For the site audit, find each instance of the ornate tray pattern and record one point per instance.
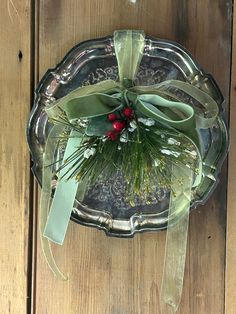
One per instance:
(92, 61)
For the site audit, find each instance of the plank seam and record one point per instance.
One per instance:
(32, 247)
(228, 160)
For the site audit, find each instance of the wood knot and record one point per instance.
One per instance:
(20, 55)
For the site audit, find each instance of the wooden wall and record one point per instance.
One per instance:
(15, 98)
(108, 275)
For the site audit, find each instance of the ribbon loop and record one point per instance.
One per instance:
(129, 45)
(174, 114)
(211, 110)
(107, 87)
(91, 106)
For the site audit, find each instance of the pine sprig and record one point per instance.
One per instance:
(145, 158)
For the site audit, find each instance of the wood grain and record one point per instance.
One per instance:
(15, 93)
(117, 276)
(230, 278)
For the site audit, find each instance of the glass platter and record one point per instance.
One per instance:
(93, 61)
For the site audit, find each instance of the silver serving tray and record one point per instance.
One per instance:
(104, 206)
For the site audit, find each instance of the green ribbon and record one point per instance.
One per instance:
(64, 197)
(46, 192)
(176, 240)
(157, 102)
(129, 47)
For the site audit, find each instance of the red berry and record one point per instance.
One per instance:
(111, 135)
(112, 117)
(128, 112)
(118, 125)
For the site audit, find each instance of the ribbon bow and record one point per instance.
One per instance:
(157, 102)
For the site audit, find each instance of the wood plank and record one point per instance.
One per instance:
(15, 97)
(230, 277)
(207, 224)
(109, 275)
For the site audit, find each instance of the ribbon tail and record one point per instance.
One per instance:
(46, 198)
(176, 240)
(63, 200)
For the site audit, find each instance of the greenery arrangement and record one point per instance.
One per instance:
(141, 148)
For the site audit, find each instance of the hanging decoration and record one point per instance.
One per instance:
(154, 144)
